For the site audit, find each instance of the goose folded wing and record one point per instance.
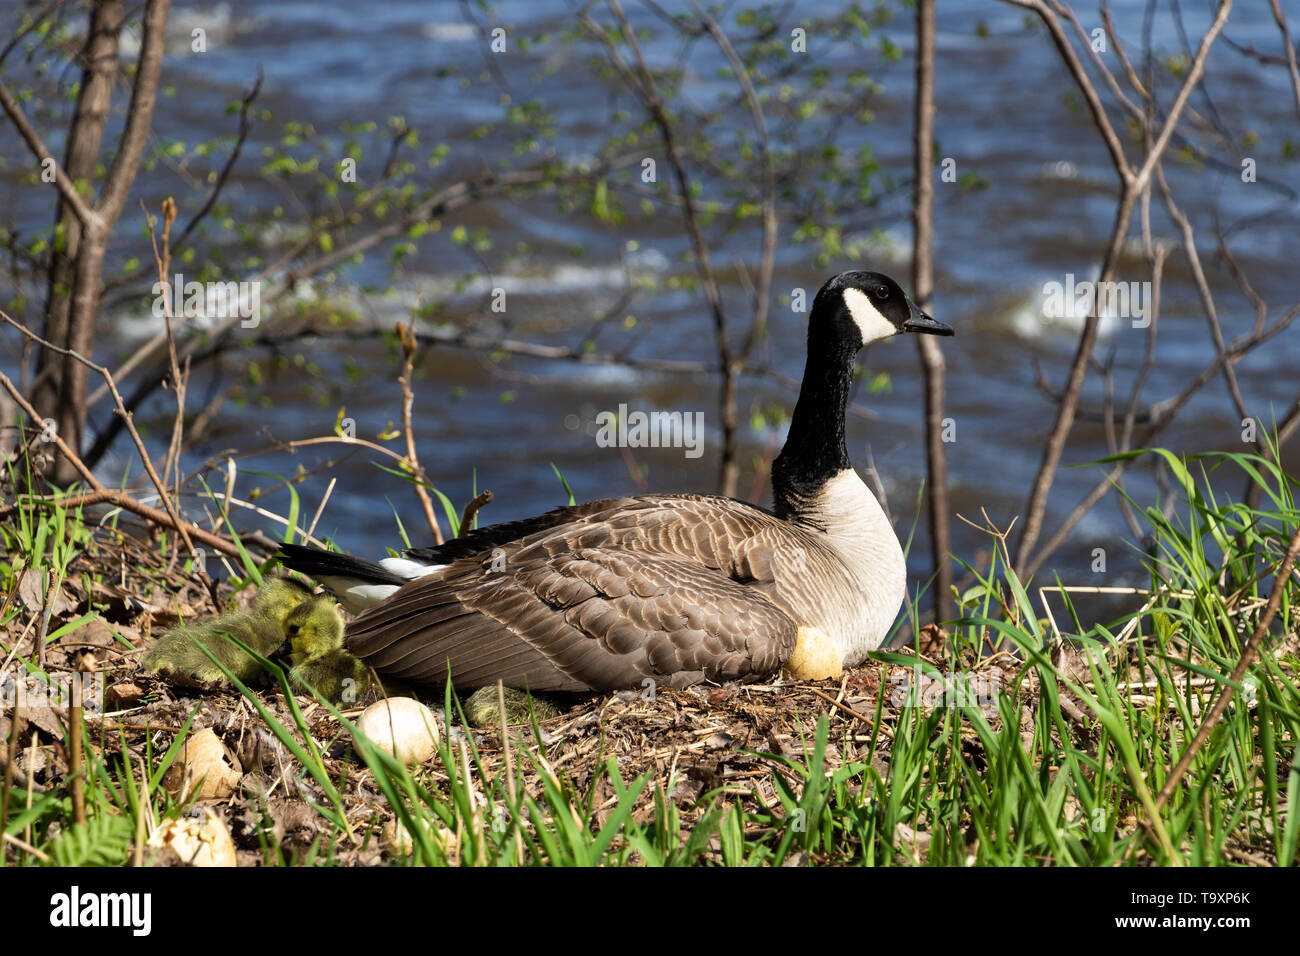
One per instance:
(474, 542)
(588, 619)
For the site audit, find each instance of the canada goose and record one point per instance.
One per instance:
(178, 654)
(670, 588)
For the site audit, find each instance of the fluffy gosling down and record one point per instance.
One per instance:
(178, 653)
(286, 613)
(315, 633)
(482, 708)
(289, 620)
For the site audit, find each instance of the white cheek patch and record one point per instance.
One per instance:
(870, 322)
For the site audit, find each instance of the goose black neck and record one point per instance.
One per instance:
(814, 450)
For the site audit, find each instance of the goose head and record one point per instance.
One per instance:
(851, 310)
(313, 628)
(854, 309)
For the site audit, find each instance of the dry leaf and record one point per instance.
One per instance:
(203, 764)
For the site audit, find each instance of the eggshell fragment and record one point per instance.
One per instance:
(203, 769)
(198, 842)
(401, 726)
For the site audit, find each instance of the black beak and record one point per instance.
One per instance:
(918, 321)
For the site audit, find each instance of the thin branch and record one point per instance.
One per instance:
(1207, 299)
(444, 201)
(88, 217)
(763, 288)
(1106, 73)
(1169, 408)
(642, 81)
(472, 509)
(36, 20)
(1287, 45)
(120, 499)
(1072, 62)
(177, 523)
(933, 366)
(162, 259)
(223, 176)
(1133, 184)
(406, 335)
(1193, 77)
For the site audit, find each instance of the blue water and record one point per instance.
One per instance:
(1004, 114)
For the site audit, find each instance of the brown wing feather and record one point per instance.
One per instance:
(483, 539)
(644, 588)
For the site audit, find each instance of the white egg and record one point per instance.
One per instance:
(403, 727)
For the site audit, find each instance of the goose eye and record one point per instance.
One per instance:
(293, 628)
(882, 293)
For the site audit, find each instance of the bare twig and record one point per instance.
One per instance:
(176, 522)
(472, 509)
(406, 335)
(163, 259)
(1227, 353)
(88, 217)
(320, 509)
(1169, 409)
(27, 847)
(641, 80)
(844, 708)
(119, 499)
(280, 281)
(11, 757)
(1098, 111)
(1132, 183)
(76, 728)
(218, 185)
(1287, 45)
(762, 291)
(933, 366)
